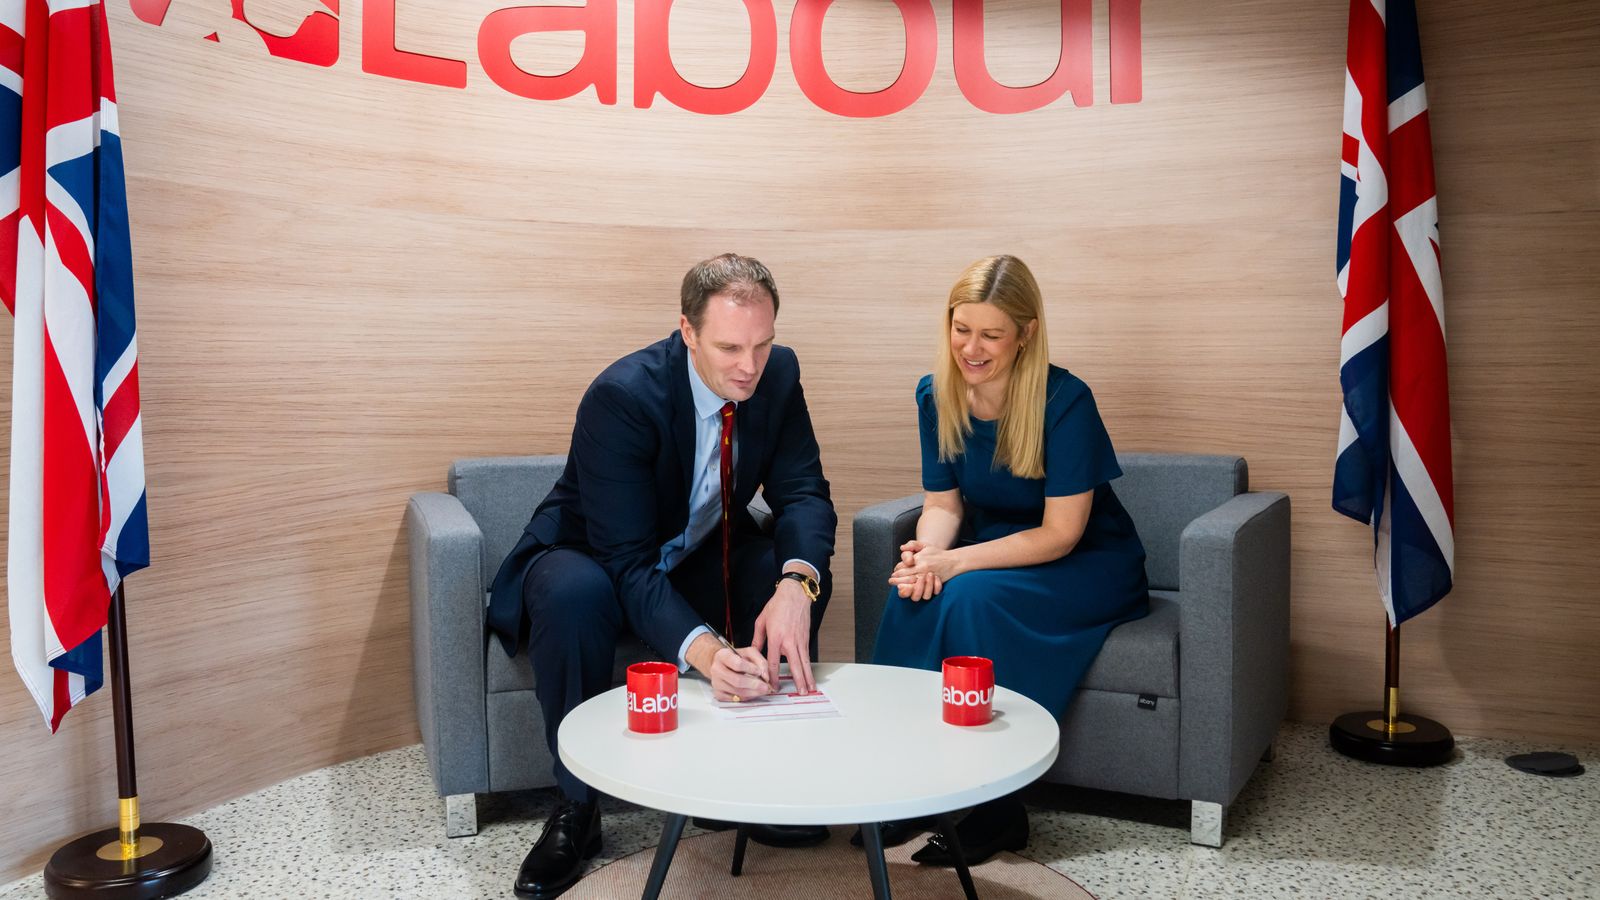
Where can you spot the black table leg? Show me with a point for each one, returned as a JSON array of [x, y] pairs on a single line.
[[947, 827], [671, 830], [872, 840], [741, 838]]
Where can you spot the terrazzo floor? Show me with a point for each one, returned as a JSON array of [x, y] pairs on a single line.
[[1310, 824]]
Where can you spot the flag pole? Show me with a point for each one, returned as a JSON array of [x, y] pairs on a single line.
[[133, 861], [1386, 736]]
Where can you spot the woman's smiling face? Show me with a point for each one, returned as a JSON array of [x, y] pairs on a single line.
[[984, 342]]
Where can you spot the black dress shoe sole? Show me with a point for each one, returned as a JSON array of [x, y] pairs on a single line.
[[801, 837], [551, 892], [893, 835], [974, 857]]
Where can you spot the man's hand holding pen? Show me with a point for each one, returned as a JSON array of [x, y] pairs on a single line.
[[735, 674]]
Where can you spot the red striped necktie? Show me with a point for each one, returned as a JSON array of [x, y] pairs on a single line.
[[726, 447]]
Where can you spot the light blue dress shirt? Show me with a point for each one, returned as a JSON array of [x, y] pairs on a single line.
[[705, 491]]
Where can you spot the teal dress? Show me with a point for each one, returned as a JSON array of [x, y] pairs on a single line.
[[1042, 624]]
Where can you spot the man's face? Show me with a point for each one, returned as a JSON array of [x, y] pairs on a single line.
[[730, 348]]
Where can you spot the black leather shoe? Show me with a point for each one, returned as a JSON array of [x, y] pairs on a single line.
[[894, 833], [984, 832], [788, 835], [571, 835]]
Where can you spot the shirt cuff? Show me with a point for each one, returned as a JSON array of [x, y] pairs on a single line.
[[815, 572], [683, 651]]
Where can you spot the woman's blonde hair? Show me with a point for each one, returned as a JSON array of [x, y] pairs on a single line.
[[1005, 283]]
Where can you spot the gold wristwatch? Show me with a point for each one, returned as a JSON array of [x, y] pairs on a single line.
[[807, 584]]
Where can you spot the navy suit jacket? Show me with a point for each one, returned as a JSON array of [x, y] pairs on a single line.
[[625, 490]]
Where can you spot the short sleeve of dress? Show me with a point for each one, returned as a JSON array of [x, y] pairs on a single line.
[[1078, 455], [936, 475]]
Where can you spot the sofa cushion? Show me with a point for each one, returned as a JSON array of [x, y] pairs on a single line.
[[501, 493], [1111, 743], [519, 758], [1164, 492], [506, 673], [1141, 657]]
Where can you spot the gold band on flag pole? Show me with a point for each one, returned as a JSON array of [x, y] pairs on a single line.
[[128, 823], [129, 845]]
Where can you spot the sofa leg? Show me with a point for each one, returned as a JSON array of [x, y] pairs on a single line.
[[460, 815], [1205, 823], [1271, 753]]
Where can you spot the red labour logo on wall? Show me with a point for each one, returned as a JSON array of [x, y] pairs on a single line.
[[316, 41]]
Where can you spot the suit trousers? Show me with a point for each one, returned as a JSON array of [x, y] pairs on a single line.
[[575, 620]]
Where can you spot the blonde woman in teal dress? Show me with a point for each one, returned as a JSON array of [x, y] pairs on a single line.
[[1049, 561]]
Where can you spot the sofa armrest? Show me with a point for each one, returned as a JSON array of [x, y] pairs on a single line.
[[1233, 642], [878, 532], [447, 641]]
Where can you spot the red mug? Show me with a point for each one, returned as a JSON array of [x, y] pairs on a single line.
[[652, 697], [968, 690]]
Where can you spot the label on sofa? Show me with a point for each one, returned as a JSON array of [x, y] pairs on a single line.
[[1147, 701]]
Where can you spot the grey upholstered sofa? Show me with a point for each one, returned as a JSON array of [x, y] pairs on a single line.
[[481, 723], [1183, 703]]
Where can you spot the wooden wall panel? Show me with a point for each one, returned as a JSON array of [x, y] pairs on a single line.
[[346, 281]]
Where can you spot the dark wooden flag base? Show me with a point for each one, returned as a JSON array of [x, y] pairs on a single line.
[[92, 866], [132, 861], [1385, 736], [1417, 742]]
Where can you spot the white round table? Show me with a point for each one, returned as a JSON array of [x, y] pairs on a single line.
[[888, 755]]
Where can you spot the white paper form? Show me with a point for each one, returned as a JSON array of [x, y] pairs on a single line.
[[786, 704]]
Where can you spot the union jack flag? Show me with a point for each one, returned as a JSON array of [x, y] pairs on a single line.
[[1393, 468], [77, 521]]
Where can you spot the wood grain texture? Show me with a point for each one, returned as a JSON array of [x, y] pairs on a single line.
[[346, 281]]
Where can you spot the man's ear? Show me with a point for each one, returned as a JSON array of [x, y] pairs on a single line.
[[687, 330]]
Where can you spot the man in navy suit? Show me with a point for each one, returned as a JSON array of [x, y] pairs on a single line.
[[632, 535]]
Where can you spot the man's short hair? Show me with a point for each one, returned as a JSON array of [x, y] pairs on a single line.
[[740, 277]]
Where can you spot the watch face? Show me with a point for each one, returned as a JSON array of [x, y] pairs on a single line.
[[807, 583]]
